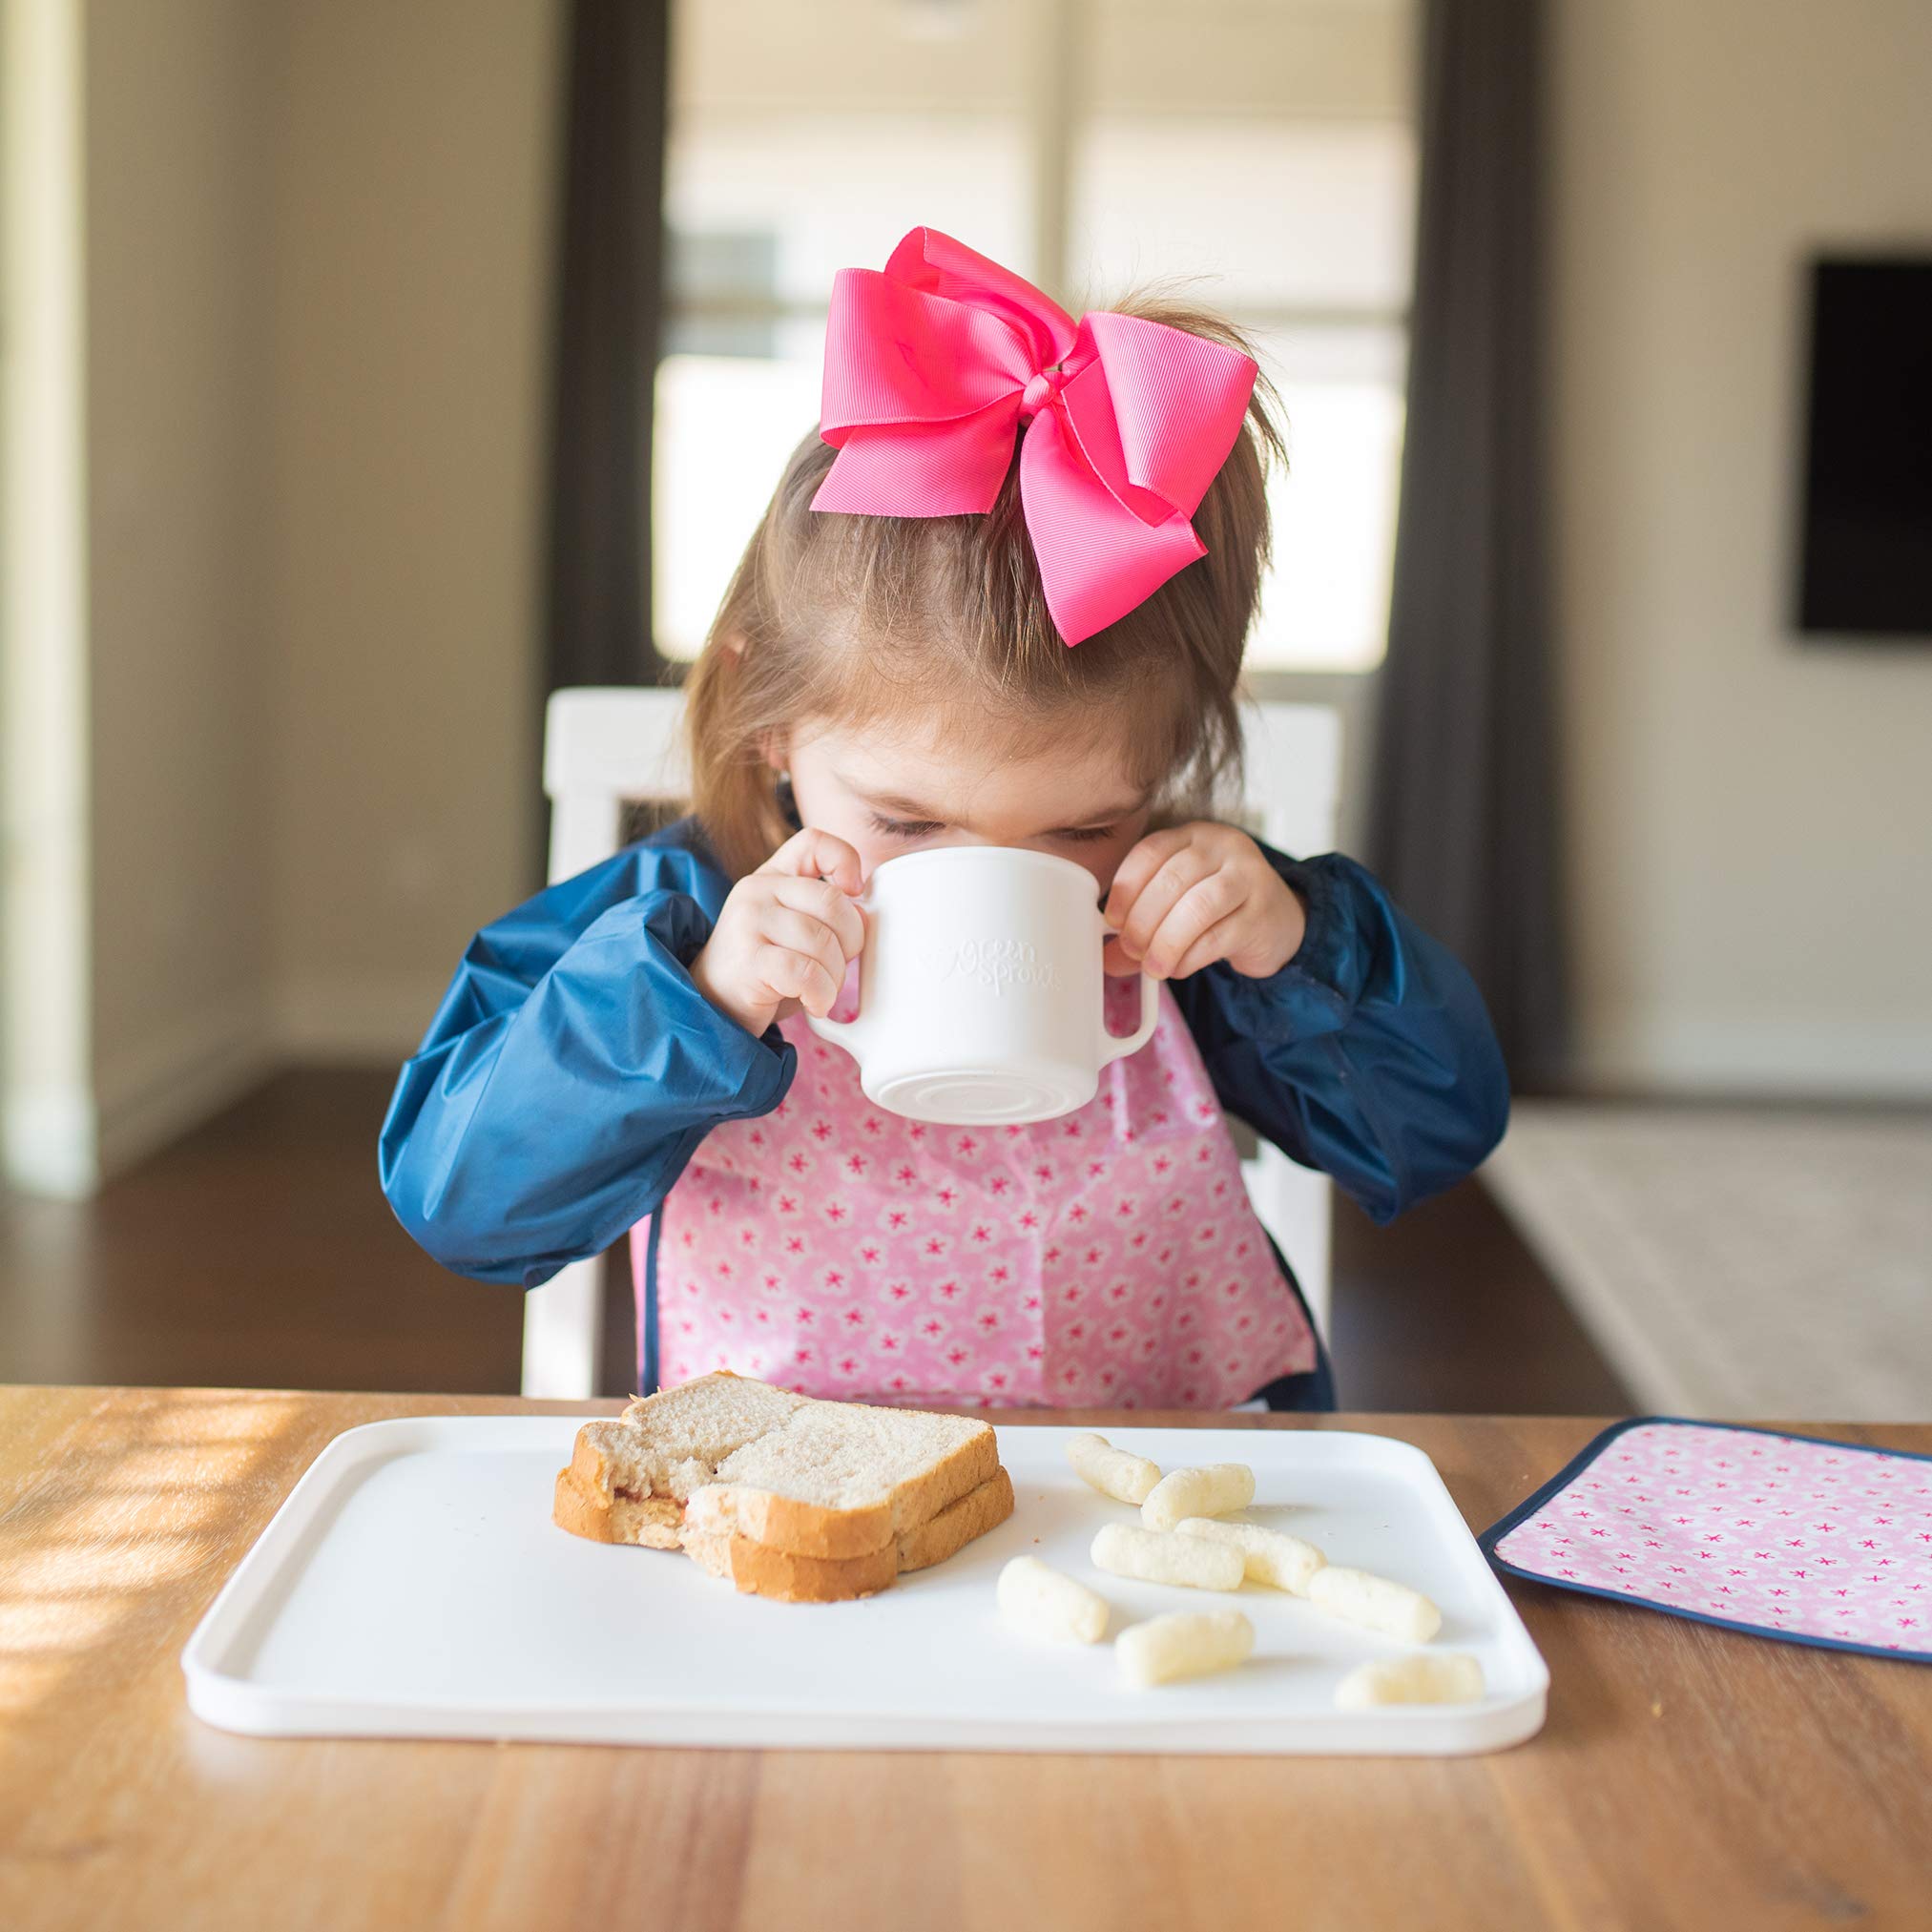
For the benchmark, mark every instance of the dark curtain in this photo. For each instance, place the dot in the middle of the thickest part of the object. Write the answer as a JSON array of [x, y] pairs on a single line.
[[1463, 807], [608, 329], [610, 289]]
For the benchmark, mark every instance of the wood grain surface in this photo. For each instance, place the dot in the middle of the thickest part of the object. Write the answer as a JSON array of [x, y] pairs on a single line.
[[1688, 1776]]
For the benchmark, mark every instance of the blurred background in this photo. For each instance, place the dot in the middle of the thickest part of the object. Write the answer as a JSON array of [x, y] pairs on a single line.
[[368, 372]]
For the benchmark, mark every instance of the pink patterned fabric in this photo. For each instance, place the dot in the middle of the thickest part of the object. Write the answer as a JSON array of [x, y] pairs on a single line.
[[1108, 1256], [931, 368], [1823, 1541]]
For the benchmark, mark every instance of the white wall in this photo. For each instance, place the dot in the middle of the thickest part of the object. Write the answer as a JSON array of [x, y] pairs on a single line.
[[47, 1113], [413, 292], [1751, 820]]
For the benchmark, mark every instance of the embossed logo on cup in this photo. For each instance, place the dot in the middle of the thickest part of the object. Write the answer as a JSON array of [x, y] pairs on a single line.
[[994, 963]]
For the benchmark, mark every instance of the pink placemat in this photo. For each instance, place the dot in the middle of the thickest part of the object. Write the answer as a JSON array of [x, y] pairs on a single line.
[[1793, 1537]]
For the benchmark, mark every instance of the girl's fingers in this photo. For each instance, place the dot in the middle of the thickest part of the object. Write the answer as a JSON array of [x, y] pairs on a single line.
[[1207, 903], [1159, 897], [1139, 867], [793, 976], [1196, 909], [1214, 944], [821, 900], [800, 932], [812, 854]]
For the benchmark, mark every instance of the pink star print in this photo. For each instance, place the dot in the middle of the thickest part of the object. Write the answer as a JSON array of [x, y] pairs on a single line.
[[866, 1265], [1806, 1599]]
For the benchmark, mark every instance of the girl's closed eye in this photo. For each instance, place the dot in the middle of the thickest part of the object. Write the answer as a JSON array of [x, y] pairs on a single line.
[[925, 828], [905, 828]]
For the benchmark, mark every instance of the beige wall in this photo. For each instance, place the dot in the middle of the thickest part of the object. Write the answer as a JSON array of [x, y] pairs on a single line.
[[177, 237], [1751, 839], [412, 277], [316, 247]]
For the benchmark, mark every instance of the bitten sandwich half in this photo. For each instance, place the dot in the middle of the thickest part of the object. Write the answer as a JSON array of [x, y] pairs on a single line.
[[787, 1497]]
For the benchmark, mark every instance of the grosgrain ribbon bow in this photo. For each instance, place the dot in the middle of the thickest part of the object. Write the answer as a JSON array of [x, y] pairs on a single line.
[[932, 365]]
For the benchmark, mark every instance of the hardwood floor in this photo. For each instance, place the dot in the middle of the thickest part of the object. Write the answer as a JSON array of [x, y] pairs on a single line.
[[259, 1253], [1447, 1310]]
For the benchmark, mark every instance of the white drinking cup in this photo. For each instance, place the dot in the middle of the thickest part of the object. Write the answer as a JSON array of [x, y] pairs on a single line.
[[980, 988]]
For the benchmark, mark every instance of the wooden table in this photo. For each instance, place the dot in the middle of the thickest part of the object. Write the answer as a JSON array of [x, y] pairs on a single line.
[[1688, 1776]]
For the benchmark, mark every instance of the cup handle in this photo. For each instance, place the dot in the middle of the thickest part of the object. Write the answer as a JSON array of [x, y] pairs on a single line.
[[840, 1032], [1114, 1047], [843, 1032]]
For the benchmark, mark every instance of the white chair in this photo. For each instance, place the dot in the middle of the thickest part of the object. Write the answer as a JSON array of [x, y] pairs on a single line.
[[605, 750]]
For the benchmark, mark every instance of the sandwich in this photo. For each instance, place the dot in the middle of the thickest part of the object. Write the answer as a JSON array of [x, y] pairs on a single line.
[[782, 1495]]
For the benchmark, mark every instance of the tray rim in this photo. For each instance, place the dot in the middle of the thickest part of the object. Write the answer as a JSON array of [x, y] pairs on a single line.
[[223, 1697]]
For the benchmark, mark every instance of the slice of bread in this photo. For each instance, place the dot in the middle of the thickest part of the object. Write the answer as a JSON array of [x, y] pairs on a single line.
[[672, 1442], [820, 1478], [838, 1480], [628, 1476], [758, 1569], [956, 1526]]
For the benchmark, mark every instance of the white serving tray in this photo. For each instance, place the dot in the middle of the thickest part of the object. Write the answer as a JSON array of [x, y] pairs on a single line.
[[414, 1586]]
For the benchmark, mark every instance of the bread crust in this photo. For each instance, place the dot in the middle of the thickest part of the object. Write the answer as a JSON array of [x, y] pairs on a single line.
[[956, 1526], [598, 1506], [811, 1529], [590, 1466], [758, 1569], [653, 1522]]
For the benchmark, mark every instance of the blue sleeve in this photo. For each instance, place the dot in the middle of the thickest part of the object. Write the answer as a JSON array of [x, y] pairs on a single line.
[[570, 1071], [1369, 1055]]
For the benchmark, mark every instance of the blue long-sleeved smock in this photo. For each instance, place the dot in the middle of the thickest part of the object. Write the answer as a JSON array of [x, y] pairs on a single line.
[[572, 1065]]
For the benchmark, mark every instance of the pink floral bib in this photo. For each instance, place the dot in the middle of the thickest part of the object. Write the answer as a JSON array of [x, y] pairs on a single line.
[[1108, 1257]]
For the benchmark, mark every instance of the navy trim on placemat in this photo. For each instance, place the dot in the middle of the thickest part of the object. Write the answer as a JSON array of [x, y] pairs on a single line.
[[1487, 1542]]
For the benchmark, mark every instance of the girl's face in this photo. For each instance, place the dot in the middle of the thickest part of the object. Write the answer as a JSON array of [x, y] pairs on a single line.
[[885, 796]]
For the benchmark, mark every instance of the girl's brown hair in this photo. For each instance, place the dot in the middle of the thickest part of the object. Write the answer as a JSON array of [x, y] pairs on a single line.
[[870, 618]]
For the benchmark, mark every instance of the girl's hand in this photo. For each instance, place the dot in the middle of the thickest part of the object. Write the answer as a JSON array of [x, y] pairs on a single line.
[[1185, 898], [785, 935]]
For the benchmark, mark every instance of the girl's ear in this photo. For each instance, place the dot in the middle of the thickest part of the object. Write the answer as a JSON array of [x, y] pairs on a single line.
[[774, 749]]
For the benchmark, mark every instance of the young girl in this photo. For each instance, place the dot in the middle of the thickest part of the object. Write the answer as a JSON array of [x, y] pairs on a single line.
[[892, 670]]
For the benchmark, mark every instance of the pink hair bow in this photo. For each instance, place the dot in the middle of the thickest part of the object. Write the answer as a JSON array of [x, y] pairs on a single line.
[[932, 365]]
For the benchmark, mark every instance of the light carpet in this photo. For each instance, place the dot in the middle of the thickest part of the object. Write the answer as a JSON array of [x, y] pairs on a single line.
[[1733, 1262]]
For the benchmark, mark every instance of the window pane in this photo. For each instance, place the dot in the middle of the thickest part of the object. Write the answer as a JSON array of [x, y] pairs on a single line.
[[1298, 60], [1300, 215], [725, 425], [1262, 162], [806, 138], [1266, 149], [833, 127], [838, 193], [1324, 601]]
